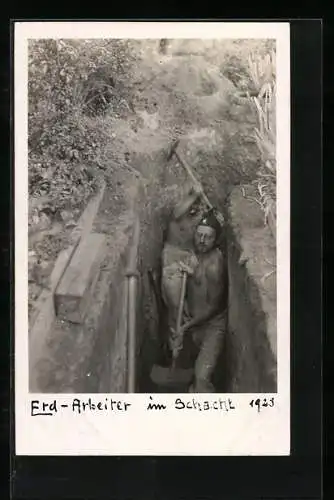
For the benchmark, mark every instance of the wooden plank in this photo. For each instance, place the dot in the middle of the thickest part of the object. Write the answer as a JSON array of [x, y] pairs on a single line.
[[75, 288], [85, 223]]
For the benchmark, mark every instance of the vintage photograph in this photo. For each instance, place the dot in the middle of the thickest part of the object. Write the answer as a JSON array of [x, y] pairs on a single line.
[[152, 215]]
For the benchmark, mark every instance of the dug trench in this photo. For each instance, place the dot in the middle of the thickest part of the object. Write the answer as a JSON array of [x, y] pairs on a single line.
[[92, 356]]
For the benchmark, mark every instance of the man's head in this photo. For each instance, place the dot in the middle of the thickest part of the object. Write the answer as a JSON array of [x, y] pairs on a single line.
[[206, 233]]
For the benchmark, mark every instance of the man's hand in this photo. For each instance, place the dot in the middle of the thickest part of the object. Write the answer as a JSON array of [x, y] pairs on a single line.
[[189, 265], [176, 340], [195, 191], [198, 189], [184, 267]]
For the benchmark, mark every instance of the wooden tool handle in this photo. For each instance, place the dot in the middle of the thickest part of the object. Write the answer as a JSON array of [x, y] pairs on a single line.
[[180, 313], [193, 178], [195, 181], [181, 304]]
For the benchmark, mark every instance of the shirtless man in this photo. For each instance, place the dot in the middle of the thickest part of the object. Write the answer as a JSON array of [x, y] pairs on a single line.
[[179, 248], [204, 298]]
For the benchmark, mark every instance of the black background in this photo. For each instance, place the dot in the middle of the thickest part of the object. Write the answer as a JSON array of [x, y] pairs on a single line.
[[230, 478]]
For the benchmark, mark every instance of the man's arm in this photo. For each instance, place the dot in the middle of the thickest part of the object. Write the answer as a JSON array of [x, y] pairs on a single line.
[[198, 320], [183, 206]]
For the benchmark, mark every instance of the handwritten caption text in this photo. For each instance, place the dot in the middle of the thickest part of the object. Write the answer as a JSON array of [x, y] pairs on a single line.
[[80, 406]]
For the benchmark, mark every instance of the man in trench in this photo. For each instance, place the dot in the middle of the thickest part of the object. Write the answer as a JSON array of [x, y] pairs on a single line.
[[205, 318], [179, 248]]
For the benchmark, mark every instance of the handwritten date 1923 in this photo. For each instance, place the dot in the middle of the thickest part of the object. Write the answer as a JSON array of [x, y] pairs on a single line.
[[260, 403]]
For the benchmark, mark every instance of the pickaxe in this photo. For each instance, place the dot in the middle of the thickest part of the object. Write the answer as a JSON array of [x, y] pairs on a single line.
[[173, 150]]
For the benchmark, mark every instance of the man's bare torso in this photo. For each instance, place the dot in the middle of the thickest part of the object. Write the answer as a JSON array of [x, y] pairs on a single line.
[[206, 285]]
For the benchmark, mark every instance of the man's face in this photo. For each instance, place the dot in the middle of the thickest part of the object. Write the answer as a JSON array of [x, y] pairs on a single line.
[[205, 238]]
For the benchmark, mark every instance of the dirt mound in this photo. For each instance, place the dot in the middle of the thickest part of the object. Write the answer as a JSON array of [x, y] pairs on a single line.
[[188, 97], [184, 91], [192, 75]]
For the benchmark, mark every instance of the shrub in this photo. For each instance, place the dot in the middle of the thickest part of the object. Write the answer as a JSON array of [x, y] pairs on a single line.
[[69, 82]]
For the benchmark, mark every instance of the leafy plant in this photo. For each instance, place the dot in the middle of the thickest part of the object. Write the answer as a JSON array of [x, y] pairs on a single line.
[[71, 83]]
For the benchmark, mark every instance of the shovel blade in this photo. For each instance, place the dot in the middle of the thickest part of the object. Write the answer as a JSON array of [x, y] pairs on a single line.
[[168, 376]]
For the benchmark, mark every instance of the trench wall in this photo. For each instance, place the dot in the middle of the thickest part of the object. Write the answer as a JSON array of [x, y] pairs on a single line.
[[250, 352], [92, 357], [108, 360]]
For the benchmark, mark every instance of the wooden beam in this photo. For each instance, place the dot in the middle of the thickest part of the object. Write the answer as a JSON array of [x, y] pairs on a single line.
[[75, 290]]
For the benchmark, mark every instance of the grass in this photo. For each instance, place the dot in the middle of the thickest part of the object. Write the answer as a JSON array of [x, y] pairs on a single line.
[[263, 72]]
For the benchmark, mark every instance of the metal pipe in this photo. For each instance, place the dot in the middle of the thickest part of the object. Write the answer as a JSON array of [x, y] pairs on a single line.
[[132, 292], [132, 327]]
